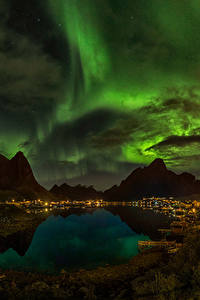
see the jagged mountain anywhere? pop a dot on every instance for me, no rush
(16, 175)
(154, 180)
(17, 179)
(78, 192)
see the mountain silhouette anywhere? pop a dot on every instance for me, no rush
(153, 180)
(16, 175)
(17, 180)
(78, 192)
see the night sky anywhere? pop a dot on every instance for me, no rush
(91, 89)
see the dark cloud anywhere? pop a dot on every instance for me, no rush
(71, 152)
(118, 135)
(188, 103)
(152, 119)
(31, 81)
(79, 132)
(25, 144)
(184, 158)
(182, 98)
(178, 141)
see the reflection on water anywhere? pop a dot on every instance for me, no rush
(77, 241)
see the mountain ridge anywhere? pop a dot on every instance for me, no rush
(78, 192)
(16, 176)
(154, 180)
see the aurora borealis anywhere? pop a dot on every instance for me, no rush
(91, 89)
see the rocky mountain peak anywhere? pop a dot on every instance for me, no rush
(158, 164)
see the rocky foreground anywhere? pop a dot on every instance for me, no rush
(151, 275)
(111, 282)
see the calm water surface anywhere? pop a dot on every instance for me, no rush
(86, 240)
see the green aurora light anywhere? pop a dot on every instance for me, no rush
(138, 60)
(127, 76)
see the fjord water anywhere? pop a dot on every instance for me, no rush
(93, 238)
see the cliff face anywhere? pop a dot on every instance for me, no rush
(16, 175)
(154, 180)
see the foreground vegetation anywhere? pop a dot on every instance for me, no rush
(151, 275)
